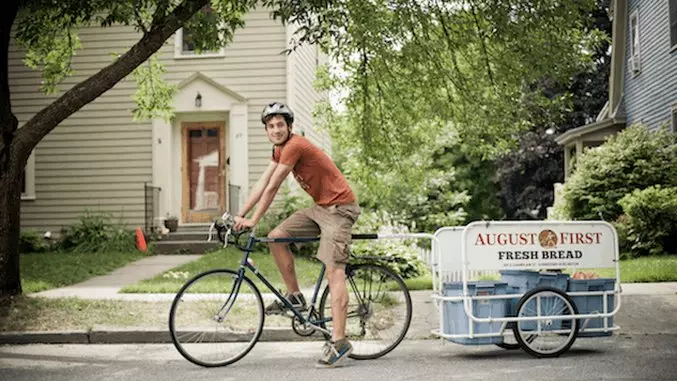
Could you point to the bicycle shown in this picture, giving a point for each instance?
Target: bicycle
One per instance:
(379, 311)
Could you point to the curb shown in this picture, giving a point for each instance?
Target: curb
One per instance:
(129, 336)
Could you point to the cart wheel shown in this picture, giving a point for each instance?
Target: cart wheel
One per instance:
(546, 338)
(511, 344)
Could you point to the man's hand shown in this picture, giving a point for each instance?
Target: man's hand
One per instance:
(242, 224)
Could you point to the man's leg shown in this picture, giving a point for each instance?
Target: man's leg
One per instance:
(339, 301)
(336, 223)
(284, 260)
(298, 224)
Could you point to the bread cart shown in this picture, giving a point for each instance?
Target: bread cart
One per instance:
(535, 305)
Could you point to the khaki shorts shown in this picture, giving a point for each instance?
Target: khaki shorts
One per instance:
(334, 226)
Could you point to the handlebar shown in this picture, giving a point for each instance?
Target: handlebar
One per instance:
(224, 230)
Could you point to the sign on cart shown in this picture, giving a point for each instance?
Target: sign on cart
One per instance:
(539, 244)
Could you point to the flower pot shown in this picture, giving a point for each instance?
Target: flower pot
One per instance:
(172, 224)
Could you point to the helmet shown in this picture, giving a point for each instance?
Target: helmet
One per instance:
(277, 108)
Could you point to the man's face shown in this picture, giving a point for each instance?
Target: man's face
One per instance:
(277, 129)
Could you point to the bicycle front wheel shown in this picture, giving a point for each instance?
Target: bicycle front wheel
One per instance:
(379, 310)
(216, 318)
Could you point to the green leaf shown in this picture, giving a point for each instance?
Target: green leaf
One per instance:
(153, 94)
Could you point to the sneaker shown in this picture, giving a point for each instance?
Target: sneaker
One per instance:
(278, 308)
(333, 354)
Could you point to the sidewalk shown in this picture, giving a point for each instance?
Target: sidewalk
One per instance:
(646, 308)
(107, 286)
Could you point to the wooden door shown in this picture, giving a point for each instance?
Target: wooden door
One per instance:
(204, 170)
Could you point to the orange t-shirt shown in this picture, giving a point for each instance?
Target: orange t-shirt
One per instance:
(315, 171)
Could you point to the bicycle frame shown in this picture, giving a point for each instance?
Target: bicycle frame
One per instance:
(246, 264)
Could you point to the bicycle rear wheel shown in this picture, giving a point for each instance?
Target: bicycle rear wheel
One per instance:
(379, 310)
(220, 327)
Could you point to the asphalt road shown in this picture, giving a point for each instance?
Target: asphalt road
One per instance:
(621, 357)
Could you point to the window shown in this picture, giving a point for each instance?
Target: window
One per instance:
(633, 61)
(28, 180)
(184, 46)
(673, 23)
(674, 118)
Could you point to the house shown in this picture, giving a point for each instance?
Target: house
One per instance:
(643, 78)
(195, 166)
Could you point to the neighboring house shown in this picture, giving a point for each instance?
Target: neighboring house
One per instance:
(204, 161)
(643, 78)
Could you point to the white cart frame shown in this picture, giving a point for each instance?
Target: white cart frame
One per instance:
(594, 242)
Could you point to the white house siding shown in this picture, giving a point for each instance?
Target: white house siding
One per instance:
(253, 67)
(99, 158)
(649, 95)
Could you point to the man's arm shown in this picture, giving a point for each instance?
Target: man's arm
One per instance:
(258, 189)
(279, 174)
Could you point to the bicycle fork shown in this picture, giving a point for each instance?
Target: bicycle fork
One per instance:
(220, 316)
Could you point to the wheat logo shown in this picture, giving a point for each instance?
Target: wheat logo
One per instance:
(547, 238)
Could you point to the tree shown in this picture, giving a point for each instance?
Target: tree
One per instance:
(454, 78)
(414, 68)
(424, 65)
(527, 173)
(47, 30)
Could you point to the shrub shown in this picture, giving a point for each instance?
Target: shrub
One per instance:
(621, 226)
(636, 158)
(31, 241)
(401, 256)
(652, 220)
(96, 233)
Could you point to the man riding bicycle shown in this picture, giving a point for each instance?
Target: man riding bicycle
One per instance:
(332, 218)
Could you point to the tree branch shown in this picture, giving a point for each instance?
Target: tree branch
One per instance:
(139, 20)
(88, 90)
(159, 15)
(482, 41)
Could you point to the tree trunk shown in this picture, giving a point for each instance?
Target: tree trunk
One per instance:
(16, 145)
(10, 200)
(10, 192)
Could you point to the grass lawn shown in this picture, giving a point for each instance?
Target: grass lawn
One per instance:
(424, 282)
(43, 271)
(650, 269)
(307, 272)
(644, 269)
(43, 314)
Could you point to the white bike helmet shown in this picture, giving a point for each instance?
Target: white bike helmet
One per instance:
(277, 108)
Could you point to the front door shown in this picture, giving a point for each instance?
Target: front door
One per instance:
(204, 170)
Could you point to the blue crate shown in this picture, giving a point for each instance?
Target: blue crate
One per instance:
(511, 304)
(525, 280)
(588, 304)
(455, 320)
(552, 279)
(522, 280)
(519, 282)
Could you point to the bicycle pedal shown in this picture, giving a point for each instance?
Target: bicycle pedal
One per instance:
(276, 313)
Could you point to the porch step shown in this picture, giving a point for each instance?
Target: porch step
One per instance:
(180, 235)
(185, 247)
(192, 228)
